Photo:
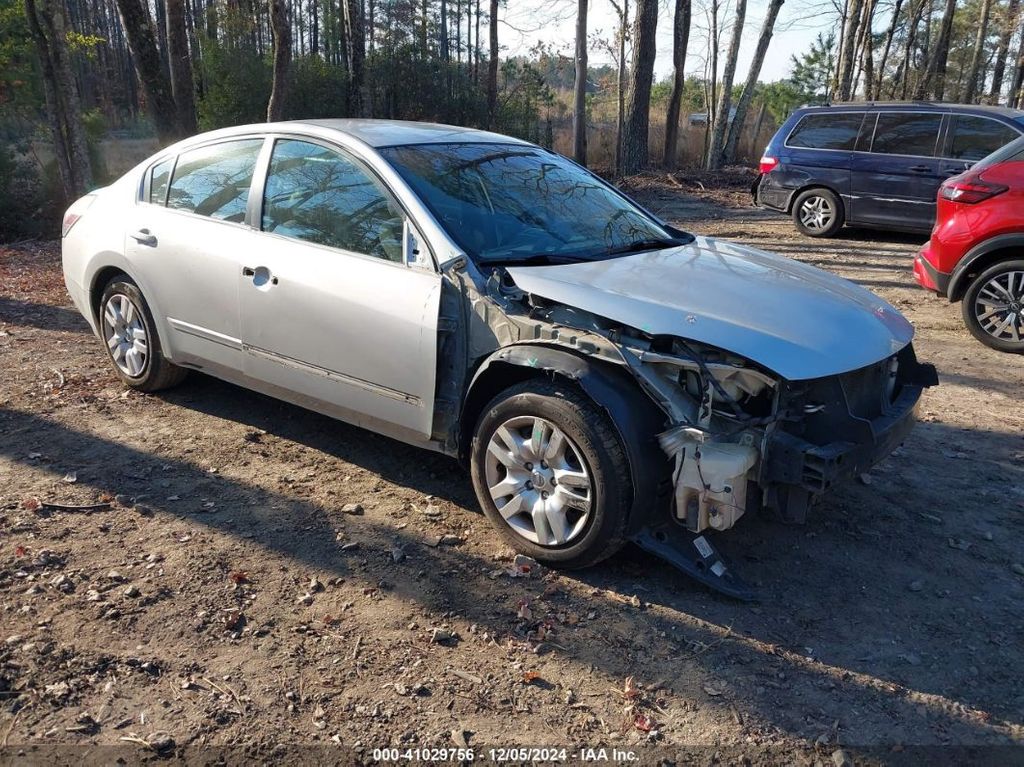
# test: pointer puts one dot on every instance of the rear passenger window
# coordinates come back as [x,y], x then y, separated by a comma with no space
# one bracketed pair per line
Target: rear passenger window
[827,131]
[161,174]
[214,180]
[977,137]
[904,133]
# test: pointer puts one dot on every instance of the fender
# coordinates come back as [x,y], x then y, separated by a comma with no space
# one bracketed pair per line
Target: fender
[970,262]
[635,416]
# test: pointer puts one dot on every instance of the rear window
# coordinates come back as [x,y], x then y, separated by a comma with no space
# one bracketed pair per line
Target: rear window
[907,133]
[1010,153]
[978,137]
[826,131]
[214,180]
[158,181]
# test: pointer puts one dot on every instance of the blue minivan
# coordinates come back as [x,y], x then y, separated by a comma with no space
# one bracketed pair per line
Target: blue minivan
[877,165]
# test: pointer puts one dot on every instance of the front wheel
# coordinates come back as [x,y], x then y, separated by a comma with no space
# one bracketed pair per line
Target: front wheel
[551,473]
[993,306]
[129,335]
[818,213]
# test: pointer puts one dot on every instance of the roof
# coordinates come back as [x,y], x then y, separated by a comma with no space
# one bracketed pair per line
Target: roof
[1013,114]
[381,133]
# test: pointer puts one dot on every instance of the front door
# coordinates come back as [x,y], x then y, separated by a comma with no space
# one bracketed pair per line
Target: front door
[330,308]
[895,181]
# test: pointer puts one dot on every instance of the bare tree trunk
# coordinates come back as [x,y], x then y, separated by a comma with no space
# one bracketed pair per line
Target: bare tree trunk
[934,79]
[1002,51]
[579,101]
[492,66]
[847,58]
[970,89]
[743,105]
[636,124]
[620,80]
[887,47]
[48,27]
[443,32]
[867,50]
[1016,97]
[833,84]
[908,52]
[354,53]
[715,155]
[149,68]
[182,85]
[282,36]
[680,42]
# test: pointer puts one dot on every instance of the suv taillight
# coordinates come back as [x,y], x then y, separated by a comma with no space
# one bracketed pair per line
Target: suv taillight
[768,164]
[970,189]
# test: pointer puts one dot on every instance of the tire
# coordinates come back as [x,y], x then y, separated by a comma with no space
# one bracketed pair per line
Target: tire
[124,313]
[824,214]
[591,531]
[987,289]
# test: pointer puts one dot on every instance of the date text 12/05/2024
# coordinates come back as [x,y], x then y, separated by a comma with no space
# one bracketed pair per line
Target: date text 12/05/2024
[498,755]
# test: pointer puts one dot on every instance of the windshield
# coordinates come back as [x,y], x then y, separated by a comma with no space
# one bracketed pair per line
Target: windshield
[518,203]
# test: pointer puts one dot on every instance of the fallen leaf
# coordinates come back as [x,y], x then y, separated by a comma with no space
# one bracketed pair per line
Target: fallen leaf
[31,504]
[239,576]
[20,551]
[530,676]
[629,690]
[643,723]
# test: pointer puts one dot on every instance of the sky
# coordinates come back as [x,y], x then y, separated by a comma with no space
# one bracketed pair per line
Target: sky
[553,23]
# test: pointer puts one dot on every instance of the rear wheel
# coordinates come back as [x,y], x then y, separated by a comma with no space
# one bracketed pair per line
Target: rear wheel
[993,306]
[818,213]
[551,474]
[129,336]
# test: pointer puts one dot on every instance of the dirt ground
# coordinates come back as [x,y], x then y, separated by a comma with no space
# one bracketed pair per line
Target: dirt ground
[225,599]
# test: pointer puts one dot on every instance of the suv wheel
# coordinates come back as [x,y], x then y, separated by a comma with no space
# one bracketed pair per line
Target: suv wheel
[551,474]
[129,336]
[993,306]
[818,213]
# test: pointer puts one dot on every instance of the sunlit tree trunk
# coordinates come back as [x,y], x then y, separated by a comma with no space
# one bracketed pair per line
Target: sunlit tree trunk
[715,157]
[934,80]
[354,53]
[888,46]
[149,68]
[743,105]
[282,37]
[182,85]
[680,41]
[638,97]
[971,85]
[492,65]
[1002,51]
[579,102]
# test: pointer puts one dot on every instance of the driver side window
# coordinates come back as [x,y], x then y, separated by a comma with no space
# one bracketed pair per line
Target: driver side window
[318,195]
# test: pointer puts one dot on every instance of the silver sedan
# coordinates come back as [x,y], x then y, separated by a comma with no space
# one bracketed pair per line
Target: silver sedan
[606,376]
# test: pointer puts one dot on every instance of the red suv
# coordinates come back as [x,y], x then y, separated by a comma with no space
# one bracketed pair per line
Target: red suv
[976,251]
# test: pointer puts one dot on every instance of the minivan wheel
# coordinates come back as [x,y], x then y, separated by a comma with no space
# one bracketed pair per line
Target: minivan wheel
[551,473]
[129,336]
[818,213]
[993,306]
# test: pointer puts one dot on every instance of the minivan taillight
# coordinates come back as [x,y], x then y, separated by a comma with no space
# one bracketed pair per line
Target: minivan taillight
[768,164]
[970,189]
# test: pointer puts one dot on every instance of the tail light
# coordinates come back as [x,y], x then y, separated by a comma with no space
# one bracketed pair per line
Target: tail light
[768,164]
[75,212]
[970,189]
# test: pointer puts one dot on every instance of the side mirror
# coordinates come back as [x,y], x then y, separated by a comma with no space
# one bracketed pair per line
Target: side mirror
[414,252]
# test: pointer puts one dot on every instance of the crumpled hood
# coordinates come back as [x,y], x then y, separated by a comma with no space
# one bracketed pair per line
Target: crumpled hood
[796,320]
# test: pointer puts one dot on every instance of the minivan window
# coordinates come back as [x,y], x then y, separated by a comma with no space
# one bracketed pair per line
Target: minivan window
[827,131]
[316,194]
[907,133]
[978,137]
[158,179]
[214,180]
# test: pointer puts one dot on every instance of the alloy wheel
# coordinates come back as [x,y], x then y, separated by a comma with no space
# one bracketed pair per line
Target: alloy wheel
[538,481]
[125,334]
[999,306]
[817,213]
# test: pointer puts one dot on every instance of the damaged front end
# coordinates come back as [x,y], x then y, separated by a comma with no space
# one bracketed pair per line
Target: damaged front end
[733,436]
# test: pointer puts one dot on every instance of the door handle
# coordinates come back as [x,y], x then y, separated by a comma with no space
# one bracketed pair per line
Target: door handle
[260,275]
[144,237]
[919,168]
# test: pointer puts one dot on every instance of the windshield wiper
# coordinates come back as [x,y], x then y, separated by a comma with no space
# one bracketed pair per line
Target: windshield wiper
[658,243]
[536,259]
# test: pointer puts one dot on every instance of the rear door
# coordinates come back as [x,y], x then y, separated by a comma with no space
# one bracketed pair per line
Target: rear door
[895,178]
[972,137]
[332,307]
[186,238]
[818,152]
